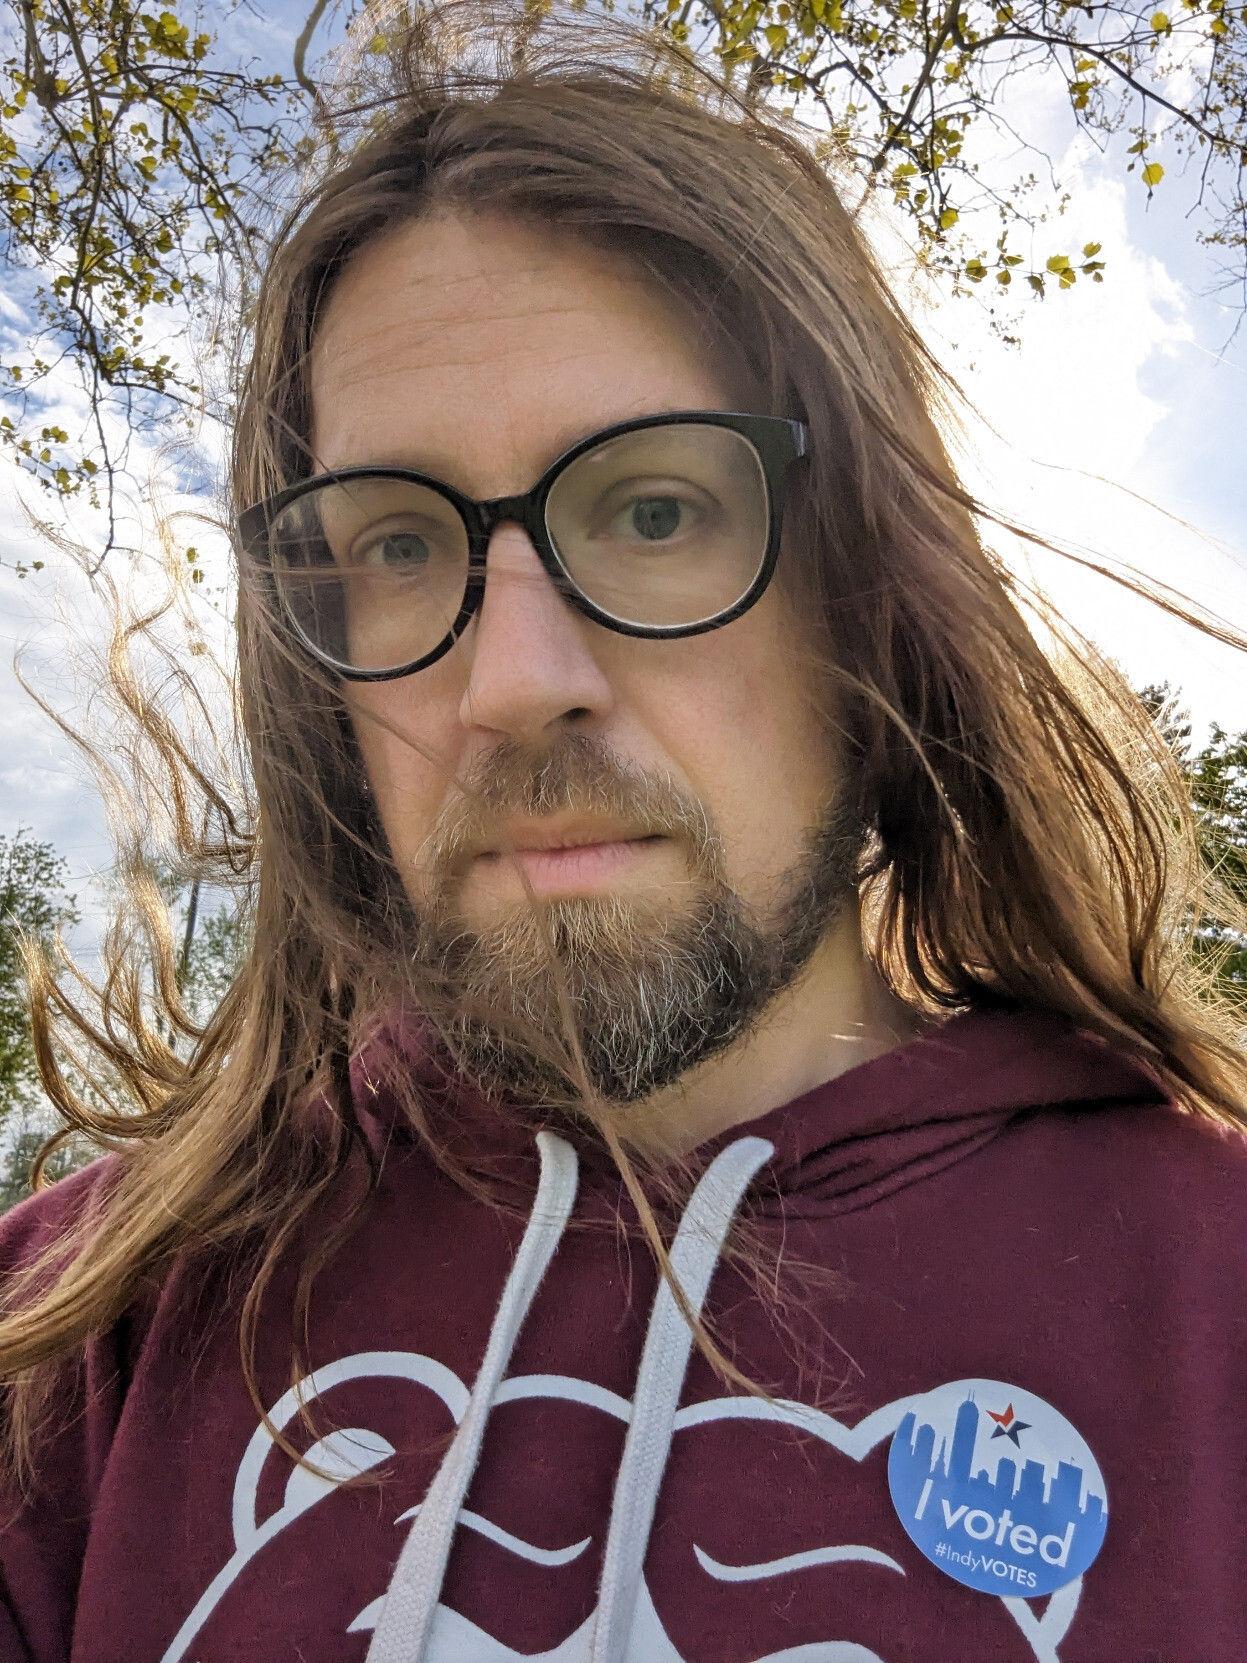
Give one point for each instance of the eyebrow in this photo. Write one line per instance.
(565, 440)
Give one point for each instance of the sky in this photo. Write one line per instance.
(1119, 424)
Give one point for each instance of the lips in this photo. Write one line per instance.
(563, 856)
(561, 834)
(574, 869)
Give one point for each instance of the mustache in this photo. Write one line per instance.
(577, 774)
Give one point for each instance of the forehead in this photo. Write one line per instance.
(478, 349)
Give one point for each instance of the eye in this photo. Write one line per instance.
(655, 517)
(396, 551)
(652, 518)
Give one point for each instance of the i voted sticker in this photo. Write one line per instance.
(997, 1488)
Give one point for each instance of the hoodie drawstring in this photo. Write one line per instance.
(403, 1628)
(660, 1381)
(402, 1631)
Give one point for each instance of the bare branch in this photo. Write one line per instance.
(301, 47)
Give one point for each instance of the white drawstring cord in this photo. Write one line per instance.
(660, 1381)
(402, 1629)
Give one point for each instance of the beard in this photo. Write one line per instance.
(615, 992)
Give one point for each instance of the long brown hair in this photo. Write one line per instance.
(1029, 841)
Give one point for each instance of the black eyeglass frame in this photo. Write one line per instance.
(777, 441)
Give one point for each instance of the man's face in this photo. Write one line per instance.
(546, 758)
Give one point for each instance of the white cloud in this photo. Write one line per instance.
(1087, 433)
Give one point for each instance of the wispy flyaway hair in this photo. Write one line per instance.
(1026, 839)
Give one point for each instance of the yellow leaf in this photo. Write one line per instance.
(1059, 263)
(948, 219)
(776, 37)
(1160, 22)
(1153, 173)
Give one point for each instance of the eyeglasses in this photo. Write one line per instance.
(662, 527)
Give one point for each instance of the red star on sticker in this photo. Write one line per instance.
(1008, 1426)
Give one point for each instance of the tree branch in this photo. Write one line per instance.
(301, 45)
(41, 77)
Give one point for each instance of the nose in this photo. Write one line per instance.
(532, 670)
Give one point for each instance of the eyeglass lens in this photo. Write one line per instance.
(659, 528)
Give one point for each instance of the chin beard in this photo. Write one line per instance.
(651, 993)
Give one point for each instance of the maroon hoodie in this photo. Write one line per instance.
(1007, 1422)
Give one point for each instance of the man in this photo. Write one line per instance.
(710, 1109)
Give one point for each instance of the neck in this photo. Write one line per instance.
(836, 1015)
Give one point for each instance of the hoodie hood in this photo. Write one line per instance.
(867, 1133)
(906, 1115)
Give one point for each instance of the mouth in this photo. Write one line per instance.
(563, 856)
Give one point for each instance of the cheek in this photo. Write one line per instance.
(738, 712)
(409, 737)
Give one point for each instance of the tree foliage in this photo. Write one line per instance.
(33, 907)
(136, 158)
(915, 94)
(1217, 777)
